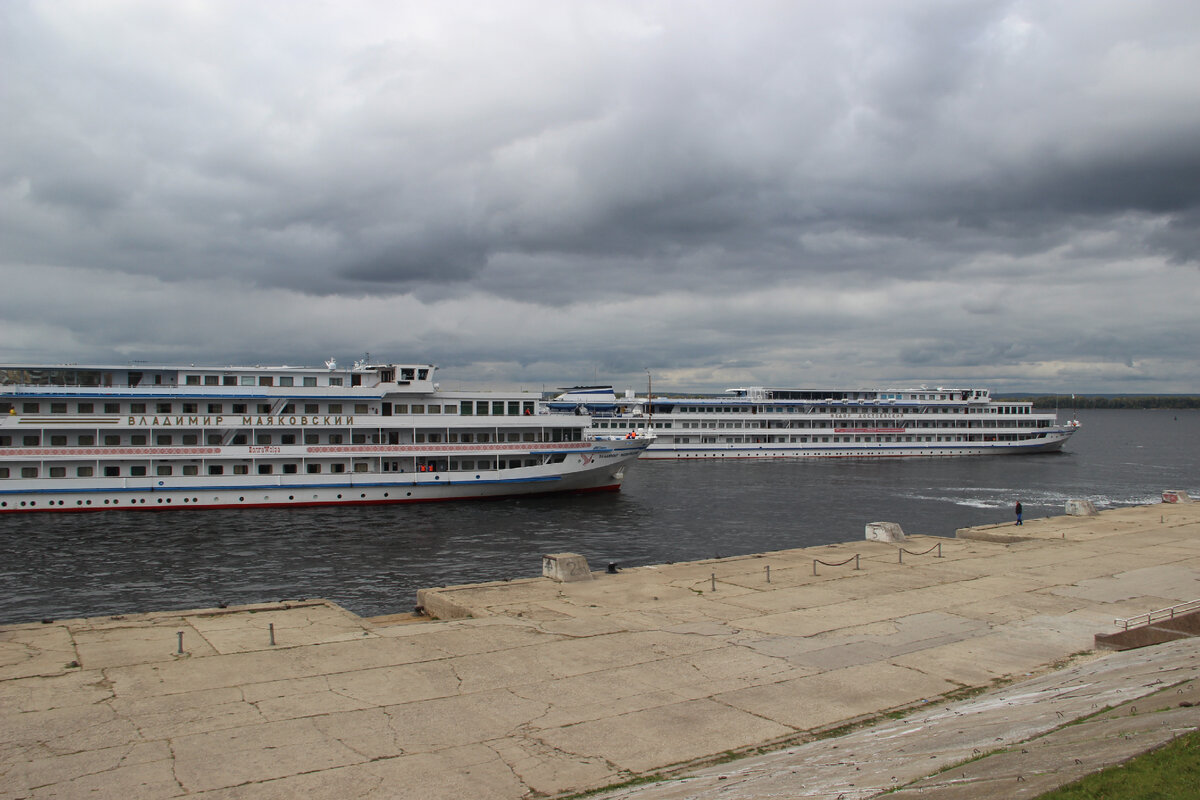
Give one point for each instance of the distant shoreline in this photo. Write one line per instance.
(1138, 401)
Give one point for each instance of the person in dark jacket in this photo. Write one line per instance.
(1018, 512)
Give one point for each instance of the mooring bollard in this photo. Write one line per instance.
(714, 581)
(856, 560)
(271, 628)
(179, 649)
(768, 573)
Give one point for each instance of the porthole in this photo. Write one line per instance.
(409, 494)
(385, 494)
(160, 500)
(364, 494)
(240, 499)
(339, 497)
(291, 497)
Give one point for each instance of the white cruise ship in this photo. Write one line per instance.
(89, 438)
(759, 422)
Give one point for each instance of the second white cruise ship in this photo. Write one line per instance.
(759, 422)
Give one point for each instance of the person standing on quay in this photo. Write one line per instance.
(1018, 509)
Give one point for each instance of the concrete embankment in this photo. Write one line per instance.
(546, 688)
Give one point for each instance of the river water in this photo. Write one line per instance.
(372, 560)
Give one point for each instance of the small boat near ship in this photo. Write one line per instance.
(760, 422)
(93, 438)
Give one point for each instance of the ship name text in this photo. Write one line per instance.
(246, 420)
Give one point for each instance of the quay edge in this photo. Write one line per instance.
(562, 687)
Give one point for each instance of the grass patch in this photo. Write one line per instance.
(1171, 772)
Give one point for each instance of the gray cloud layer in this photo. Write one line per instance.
(1005, 193)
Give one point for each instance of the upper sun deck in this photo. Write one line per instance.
(919, 396)
(76, 379)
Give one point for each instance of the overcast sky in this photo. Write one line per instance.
(832, 195)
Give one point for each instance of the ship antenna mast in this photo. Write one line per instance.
(649, 400)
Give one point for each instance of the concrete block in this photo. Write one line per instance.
(1175, 496)
(884, 532)
(1081, 508)
(565, 567)
(438, 604)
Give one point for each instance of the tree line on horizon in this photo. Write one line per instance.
(1109, 401)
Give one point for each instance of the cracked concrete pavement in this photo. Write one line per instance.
(545, 688)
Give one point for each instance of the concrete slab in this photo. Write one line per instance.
(975, 748)
(546, 687)
(675, 734)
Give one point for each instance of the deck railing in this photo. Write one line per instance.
(1163, 613)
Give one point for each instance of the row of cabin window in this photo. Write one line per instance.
(848, 423)
(1004, 437)
(495, 408)
(210, 408)
(257, 380)
(216, 439)
(458, 465)
(166, 470)
(479, 408)
(823, 410)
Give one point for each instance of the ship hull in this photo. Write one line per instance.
(599, 469)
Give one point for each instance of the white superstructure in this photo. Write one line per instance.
(87, 438)
(759, 422)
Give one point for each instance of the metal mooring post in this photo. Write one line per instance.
(768, 573)
(714, 581)
(179, 649)
(856, 560)
(271, 628)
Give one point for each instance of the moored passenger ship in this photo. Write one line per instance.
(758, 422)
(87, 438)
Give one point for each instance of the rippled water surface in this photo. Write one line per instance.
(372, 560)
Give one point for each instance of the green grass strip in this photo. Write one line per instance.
(1172, 772)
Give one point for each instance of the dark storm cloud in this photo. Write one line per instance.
(762, 191)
